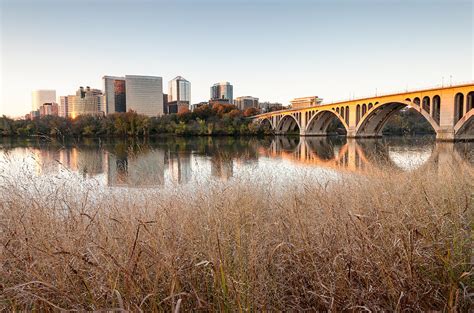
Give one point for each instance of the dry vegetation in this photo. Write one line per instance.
(399, 243)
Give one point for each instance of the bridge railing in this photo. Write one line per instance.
(406, 90)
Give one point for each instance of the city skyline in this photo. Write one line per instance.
(272, 50)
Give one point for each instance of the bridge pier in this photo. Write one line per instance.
(445, 134)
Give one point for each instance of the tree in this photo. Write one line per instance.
(251, 112)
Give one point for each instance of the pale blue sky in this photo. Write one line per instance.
(274, 50)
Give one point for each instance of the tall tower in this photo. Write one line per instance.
(222, 91)
(144, 94)
(179, 89)
(179, 95)
(39, 97)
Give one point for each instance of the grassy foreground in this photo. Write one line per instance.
(397, 242)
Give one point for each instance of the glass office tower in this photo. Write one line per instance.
(179, 89)
(114, 92)
(222, 91)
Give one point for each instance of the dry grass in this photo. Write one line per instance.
(397, 242)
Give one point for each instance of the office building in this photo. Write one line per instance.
(114, 94)
(222, 91)
(49, 109)
(39, 97)
(245, 102)
(270, 106)
(63, 106)
(179, 95)
(165, 104)
(179, 89)
(194, 106)
(305, 102)
(144, 94)
(86, 101)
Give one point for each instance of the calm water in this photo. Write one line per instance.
(161, 163)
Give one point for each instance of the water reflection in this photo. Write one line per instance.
(148, 163)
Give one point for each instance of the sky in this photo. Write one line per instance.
(271, 49)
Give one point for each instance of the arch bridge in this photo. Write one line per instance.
(449, 110)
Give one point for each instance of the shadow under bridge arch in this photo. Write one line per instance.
(373, 122)
(287, 125)
(325, 122)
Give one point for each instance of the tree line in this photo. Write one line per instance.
(218, 119)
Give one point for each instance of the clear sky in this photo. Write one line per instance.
(271, 49)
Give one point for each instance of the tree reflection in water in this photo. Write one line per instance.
(153, 162)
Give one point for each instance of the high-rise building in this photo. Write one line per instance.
(49, 109)
(39, 97)
(179, 89)
(306, 102)
(222, 91)
(86, 101)
(246, 102)
(63, 106)
(144, 94)
(114, 94)
(179, 95)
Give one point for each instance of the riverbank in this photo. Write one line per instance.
(400, 242)
(217, 120)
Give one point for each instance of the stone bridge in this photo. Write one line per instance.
(449, 110)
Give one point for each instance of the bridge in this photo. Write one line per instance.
(449, 110)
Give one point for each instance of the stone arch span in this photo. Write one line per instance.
(320, 121)
(372, 123)
(288, 124)
(464, 128)
(266, 122)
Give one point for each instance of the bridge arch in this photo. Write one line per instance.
(458, 107)
(426, 104)
(436, 108)
(288, 124)
(266, 122)
(358, 114)
(464, 128)
(372, 123)
(319, 123)
(470, 101)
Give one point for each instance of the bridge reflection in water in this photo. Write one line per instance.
(353, 155)
(156, 163)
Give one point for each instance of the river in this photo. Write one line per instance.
(191, 162)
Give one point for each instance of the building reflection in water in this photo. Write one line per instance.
(131, 169)
(179, 166)
(86, 161)
(151, 163)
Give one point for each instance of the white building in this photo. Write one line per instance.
(39, 97)
(144, 94)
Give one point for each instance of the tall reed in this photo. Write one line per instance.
(396, 242)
